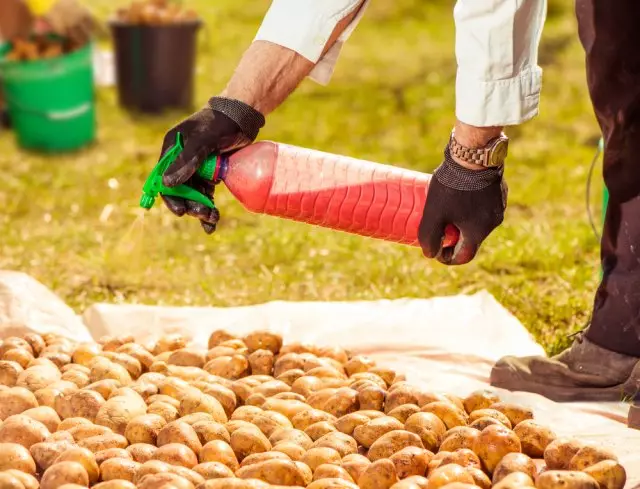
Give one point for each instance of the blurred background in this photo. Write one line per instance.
(71, 218)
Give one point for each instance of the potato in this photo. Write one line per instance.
(480, 479)
(10, 481)
(60, 436)
(381, 474)
(46, 452)
(480, 399)
(149, 468)
(334, 483)
(589, 455)
(163, 398)
(413, 482)
(164, 479)
(263, 340)
(210, 430)
(176, 454)
(169, 343)
(38, 377)
(141, 452)
(404, 412)
(213, 470)
(236, 484)
(119, 469)
(305, 419)
(102, 368)
(83, 403)
(343, 444)
(219, 336)
(22, 429)
(291, 435)
(463, 457)
(319, 429)
(103, 442)
(343, 401)
(81, 379)
(82, 432)
(138, 352)
(45, 415)
(449, 414)
(219, 451)
(534, 437)
(144, 428)
(331, 471)
(288, 407)
(481, 423)
(164, 409)
(188, 474)
(368, 433)
(447, 474)
(355, 465)
(609, 474)
(115, 484)
(15, 401)
(274, 471)
(293, 451)
(103, 455)
(245, 441)
(9, 372)
(515, 480)
(514, 462)
(411, 461)
(515, 412)
(118, 411)
(28, 481)
(423, 421)
(187, 357)
(261, 457)
(69, 423)
(349, 422)
(16, 456)
(261, 362)
(64, 473)
(229, 367)
(320, 455)
(559, 453)
(372, 397)
(494, 443)
(459, 437)
(392, 442)
(553, 479)
(179, 432)
(198, 402)
(489, 413)
(85, 458)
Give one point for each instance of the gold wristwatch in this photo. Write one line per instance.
(493, 154)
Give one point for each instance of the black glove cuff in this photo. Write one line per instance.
(452, 175)
(249, 120)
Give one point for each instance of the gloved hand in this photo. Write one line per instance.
(474, 201)
(224, 125)
(67, 18)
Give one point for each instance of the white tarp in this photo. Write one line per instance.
(447, 343)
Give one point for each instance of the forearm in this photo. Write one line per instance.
(268, 73)
(498, 80)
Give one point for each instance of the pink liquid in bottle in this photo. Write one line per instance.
(332, 191)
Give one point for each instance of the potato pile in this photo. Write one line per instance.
(155, 12)
(39, 47)
(250, 413)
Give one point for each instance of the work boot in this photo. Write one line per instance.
(583, 372)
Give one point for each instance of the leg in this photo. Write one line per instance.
(605, 364)
(610, 35)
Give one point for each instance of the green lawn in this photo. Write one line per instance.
(391, 100)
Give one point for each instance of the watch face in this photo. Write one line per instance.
(499, 152)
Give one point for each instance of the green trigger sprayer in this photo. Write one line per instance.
(154, 186)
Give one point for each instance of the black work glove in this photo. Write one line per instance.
(473, 201)
(224, 125)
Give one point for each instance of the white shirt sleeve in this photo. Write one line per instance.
(304, 26)
(498, 80)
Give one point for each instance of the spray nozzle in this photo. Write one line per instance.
(154, 186)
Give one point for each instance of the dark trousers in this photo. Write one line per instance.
(610, 34)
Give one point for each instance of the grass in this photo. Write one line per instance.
(391, 100)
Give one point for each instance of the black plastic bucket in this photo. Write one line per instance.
(155, 65)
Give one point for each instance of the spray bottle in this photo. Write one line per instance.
(332, 191)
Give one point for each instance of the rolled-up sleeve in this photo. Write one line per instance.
(498, 80)
(305, 27)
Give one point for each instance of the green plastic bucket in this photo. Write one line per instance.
(51, 101)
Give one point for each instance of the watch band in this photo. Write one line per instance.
(474, 156)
